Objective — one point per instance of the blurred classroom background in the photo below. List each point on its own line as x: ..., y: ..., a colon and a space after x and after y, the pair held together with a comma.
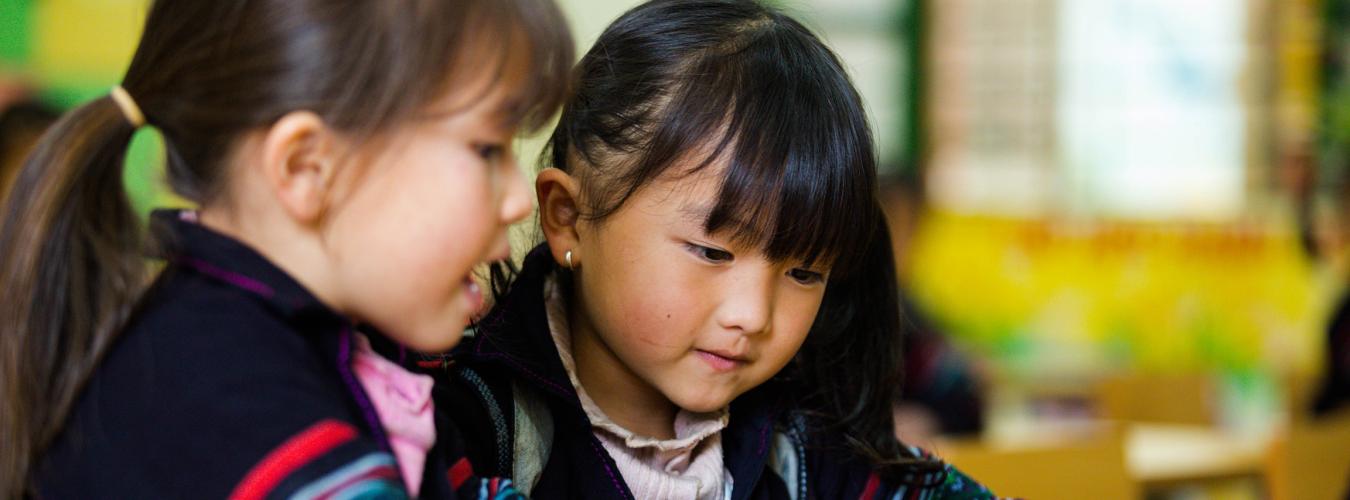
x: 1122, y: 224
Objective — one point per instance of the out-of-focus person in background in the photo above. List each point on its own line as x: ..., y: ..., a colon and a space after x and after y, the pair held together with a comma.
x: 23, y: 119
x: 1333, y: 392
x: 1322, y: 168
x: 942, y: 392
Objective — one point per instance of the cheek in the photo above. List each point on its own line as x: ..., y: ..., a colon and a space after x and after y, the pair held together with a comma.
x: 649, y: 299
x: 412, y: 228
x: 440, y: 213
x: 792, y: 324
x: 642, y: 320
x: 657, y: 320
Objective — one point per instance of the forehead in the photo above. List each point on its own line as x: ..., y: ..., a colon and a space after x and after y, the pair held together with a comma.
x: 688, y: 193
x: 684, y: 190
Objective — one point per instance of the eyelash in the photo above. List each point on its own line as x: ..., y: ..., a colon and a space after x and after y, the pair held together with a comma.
x: 806, y: 277
x: 706, y: 253
x: 491, y: 153
x: 716, y: 256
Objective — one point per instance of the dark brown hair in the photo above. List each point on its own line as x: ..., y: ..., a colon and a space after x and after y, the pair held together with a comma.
x: 205, y: 72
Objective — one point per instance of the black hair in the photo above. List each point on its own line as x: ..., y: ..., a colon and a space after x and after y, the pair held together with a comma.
x: 678, y: 82
x: 731, y: 80
x: 848, y: 373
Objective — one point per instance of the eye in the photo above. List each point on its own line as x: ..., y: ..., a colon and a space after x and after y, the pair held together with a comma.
x: 491, y: 153
x: 710, y: 254
x: 806, y: 276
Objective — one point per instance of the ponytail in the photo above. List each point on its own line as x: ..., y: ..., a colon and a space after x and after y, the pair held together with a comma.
x: 70, y: 271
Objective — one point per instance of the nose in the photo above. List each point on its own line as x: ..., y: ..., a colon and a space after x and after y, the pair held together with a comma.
x: 748, y: 299
x: 517, y: 200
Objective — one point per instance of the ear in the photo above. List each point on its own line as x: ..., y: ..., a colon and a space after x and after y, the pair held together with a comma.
x: 299, y: 156
x: 559, y: 199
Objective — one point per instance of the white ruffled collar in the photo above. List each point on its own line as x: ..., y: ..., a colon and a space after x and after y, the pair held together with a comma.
x: 690, y: 428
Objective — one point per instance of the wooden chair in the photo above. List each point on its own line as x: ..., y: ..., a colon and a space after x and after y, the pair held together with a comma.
x: 1311, y: 460
x: 1159, y: 398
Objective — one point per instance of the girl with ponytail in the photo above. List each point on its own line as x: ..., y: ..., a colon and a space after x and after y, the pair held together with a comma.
x: 351, y: 163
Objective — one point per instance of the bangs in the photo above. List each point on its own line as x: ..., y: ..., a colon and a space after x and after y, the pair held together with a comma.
x: 799, y: 175
x: 535, y: 29
x: 747, y: 89
x: 442, y: 47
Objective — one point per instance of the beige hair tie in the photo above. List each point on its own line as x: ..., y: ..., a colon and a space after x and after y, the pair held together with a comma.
x: 130, y: 110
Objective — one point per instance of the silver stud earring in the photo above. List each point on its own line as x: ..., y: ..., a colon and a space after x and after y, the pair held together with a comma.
x: 567, y: 256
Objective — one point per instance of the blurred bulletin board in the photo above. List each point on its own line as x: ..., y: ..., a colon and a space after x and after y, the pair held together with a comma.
x: 1055, y: 245
x: 73, y: 51
x: 1133, y: 109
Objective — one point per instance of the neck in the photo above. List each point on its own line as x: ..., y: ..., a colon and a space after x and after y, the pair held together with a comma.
x: 287, y: 250
x: 625, y: 398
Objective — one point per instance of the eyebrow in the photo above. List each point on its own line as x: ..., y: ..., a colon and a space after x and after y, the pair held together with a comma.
x: 509, y: 113
x: 700, y: 214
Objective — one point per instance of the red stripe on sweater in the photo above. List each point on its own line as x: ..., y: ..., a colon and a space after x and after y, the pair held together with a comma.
x: 460, y: 472
x: 297, y: 451
x: 873, y: 482
x: 383, y: 473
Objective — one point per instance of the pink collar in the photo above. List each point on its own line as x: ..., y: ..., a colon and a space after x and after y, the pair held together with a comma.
x: 403, y: 401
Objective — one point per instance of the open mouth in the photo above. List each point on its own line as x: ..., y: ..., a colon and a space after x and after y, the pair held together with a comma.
x: 473, y: 283
x: 474, y: 293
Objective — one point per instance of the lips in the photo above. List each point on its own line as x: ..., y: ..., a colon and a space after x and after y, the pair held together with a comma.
x: 502, y: 253
x: 474, y: 290
x: 728, y: 354
x: 723, y: 360
x: 500, y: 256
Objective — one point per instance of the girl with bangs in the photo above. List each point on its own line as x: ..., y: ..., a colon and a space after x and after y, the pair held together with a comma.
x: 351, y: 164
x: 714, y: 312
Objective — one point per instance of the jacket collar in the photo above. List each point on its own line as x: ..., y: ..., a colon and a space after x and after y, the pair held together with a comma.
x: 186, y: 244
x: 190, y: 247
x: 515, y: 333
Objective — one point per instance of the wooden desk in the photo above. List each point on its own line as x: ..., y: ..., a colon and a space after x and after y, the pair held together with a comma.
x: 1159, y: 455
x: 1050, y: 460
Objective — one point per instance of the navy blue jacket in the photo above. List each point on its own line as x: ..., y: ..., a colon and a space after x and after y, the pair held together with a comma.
x: 513, y: 347
x: 231, y: 380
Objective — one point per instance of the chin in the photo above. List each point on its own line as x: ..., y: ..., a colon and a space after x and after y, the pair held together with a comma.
x: 440, y: 341
x: 440, y: 345
x: 703, y: 402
